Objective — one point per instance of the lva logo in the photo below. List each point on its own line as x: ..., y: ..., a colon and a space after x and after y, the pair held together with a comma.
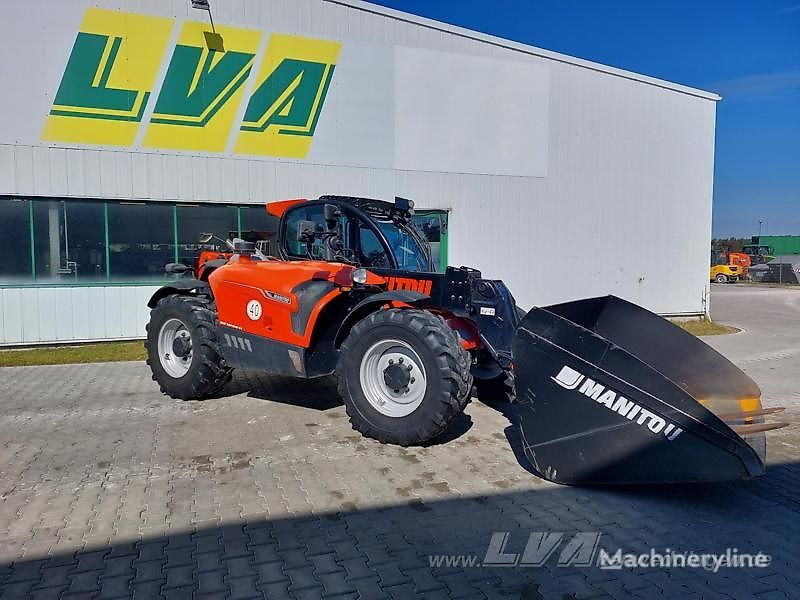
x: 116, y: 59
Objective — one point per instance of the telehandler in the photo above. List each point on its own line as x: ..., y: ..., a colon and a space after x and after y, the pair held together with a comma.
x: 607, y: 392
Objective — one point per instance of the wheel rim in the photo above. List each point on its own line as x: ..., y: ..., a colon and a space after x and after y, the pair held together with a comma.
x: 175, y: 335
x: 390, y: 400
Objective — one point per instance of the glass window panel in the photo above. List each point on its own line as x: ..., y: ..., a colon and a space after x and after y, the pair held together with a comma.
x: 195, y: 219
x: 69, y: 241
x: 431, y: 224
x: 16, y: 235
x: 260, y: 227
x: 47, y: 223
x: 293, y: 246
x: 256, y: 218
x: 140, y: 240
x: 372, y: 253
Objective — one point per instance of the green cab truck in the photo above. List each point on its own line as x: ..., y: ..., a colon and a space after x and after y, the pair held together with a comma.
x: 763, y: 248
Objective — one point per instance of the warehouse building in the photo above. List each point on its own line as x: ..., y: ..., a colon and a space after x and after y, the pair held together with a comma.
x: 128, y: 128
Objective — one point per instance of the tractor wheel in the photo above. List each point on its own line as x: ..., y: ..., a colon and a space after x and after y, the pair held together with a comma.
x: 721, y: 278
x: 182, y: 348
x: 403, y: 376
x: 496, y: 389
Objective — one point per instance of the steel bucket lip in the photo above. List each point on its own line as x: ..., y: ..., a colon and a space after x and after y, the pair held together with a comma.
x: 530, y: 455
x: 706, y: 425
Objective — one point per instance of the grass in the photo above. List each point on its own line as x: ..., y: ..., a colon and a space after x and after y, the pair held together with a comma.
x: 117, y: 351
x: 705, y: 327
x: 64, y: 355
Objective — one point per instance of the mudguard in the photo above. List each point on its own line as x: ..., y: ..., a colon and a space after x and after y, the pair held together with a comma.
x: 371, y: 304
x: 609, y: 392
x: 180, y: 286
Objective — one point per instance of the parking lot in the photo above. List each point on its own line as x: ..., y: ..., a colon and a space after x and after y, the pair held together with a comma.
x: 109, y: 488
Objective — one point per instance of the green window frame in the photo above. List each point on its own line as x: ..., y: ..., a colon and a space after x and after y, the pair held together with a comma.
x: 38, y: 280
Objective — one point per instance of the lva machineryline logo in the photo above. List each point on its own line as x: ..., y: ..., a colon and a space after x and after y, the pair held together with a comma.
x: 571, y: 379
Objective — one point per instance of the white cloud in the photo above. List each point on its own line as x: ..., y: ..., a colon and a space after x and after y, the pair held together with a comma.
x: 761, y: 84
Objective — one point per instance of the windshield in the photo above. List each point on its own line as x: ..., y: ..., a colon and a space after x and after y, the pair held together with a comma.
x: 407, y: 246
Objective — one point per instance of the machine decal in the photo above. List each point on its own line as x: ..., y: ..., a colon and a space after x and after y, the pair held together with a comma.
x: 239, y: 343
x: 110, y: 81
x: 570, y: 379
x: 108, y: 78
x: 277, y: 297
x: 254, y: 310
x: 423, y: 286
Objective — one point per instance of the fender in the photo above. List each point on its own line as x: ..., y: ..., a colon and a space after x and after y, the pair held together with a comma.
x: 210, y: 266
x: 183, y: 287
x: 373, y: 303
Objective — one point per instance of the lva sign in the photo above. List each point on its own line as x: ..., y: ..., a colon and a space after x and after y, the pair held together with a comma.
x: 106, y: 95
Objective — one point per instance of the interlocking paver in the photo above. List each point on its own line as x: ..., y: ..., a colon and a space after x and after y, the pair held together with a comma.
x: 243, y: 587
x: 53, y: 593
x: 149, y: 570
x: 134, y: 494
x: 270, y: 573
x: 209, y: 561
x: 115, y: 587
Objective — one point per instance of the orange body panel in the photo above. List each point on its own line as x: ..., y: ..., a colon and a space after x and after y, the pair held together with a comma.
x: 740, y: 259
x: 276, y: 209
x: 207, y: 255
x: 270, y: 283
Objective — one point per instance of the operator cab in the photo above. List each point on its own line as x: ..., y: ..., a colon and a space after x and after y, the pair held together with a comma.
x: 368, y: 233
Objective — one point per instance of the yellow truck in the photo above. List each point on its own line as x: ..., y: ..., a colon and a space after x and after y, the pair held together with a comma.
x: 725, y: 273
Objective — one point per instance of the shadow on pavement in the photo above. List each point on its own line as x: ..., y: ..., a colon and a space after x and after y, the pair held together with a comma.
x: 386, y: 552
x: 317, y: 394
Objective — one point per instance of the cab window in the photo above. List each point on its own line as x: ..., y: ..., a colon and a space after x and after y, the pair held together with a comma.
x: 304, y: 213
x: 371, y: 252
x: 315, y: 214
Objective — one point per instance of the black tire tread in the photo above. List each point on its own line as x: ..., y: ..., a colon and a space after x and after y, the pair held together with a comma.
x: 212, y: 373
x: 453, y: 363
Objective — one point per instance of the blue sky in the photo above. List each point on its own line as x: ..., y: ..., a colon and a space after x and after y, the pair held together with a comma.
x: 748, y: 51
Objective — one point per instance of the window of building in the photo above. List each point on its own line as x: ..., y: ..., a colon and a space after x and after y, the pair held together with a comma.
x: 256, y: 218
x: 69, y: 241
x: 141, y: 240
x: 15, y: 232
x: 257, y: 225
x: 194, y: 219
x: 85, y: 242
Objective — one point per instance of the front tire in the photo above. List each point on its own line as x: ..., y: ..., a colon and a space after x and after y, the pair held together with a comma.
x: 183, y: 350
x: 721, y: 278
x: 403, y: 376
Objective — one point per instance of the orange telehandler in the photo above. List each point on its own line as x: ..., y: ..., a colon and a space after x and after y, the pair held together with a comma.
x: 607, y: 392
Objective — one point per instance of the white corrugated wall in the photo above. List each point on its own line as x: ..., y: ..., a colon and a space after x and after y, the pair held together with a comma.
x: 625, y: 207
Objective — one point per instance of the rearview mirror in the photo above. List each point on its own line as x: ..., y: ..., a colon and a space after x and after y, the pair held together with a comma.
x: 306, y: 232
x: 205, y: 237
x: 176, y: 268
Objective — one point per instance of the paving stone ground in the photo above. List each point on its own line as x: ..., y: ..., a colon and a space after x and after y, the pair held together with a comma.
x: 109, y: 489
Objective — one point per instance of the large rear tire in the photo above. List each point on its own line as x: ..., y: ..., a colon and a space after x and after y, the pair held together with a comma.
x: 183, y: 350
x: 403, y: 376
